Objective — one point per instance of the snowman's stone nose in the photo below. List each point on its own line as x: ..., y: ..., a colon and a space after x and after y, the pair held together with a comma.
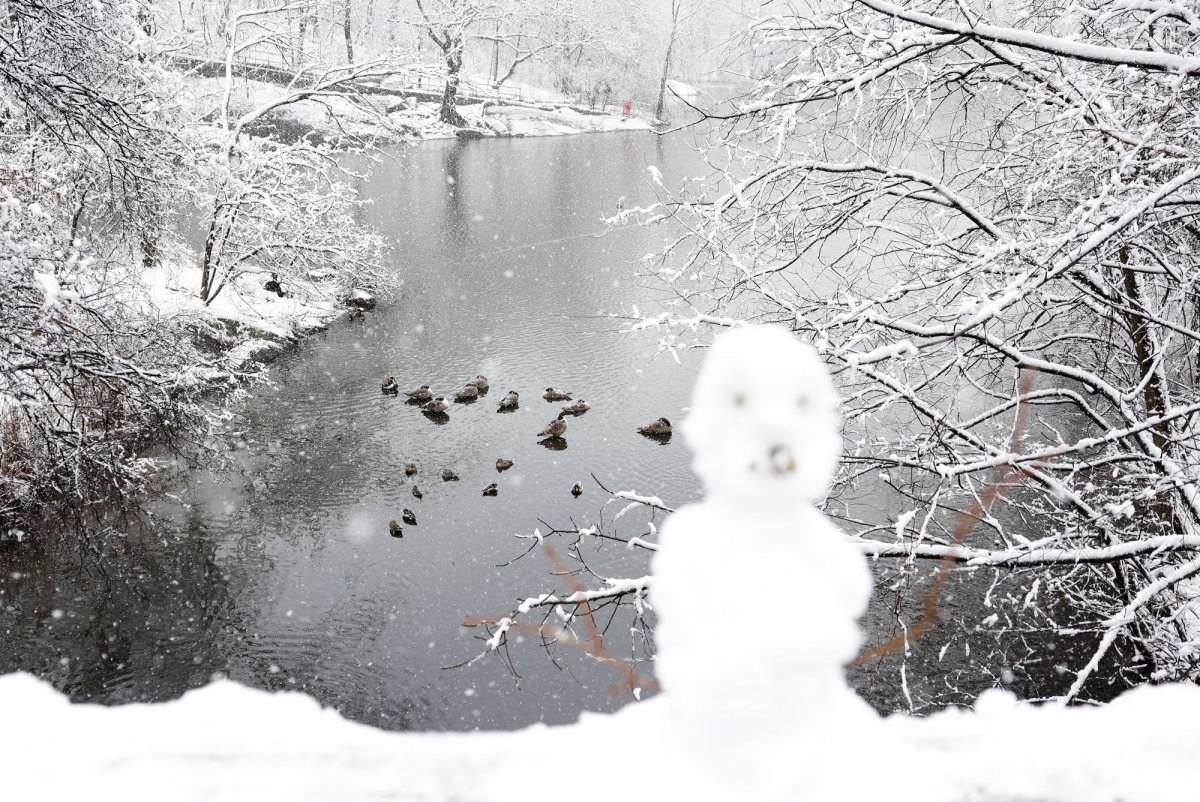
x: 781, y: 460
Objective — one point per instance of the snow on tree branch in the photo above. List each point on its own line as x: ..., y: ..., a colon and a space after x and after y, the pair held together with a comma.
x: 944, y: 201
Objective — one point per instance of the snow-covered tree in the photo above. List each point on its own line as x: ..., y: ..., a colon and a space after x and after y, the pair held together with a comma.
x: 87, y: 158
x: 512, y: 32
x: 102, y: 159
x: 278, y: 207
x: 286, y: 210
x: 985, y: 217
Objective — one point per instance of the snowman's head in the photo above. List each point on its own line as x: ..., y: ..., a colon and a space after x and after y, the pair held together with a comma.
x: 764, y: 423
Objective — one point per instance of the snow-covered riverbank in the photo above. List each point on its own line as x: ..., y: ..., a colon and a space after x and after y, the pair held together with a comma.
x: 392, y: 118
x: 257, y: 313
x: 259, y: 319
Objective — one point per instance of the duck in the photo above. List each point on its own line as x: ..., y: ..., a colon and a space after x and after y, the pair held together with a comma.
x: 503, y: 464
x: 409, y: 517
x: 554, y: 428
x: 355, y: 314
x: 422, y: 393
x: 554, y: 395
x: 509, y: 402
x: 657, y: 428
x: 577, y: 408
x: 469, y: 392
x: 491, y: 490
x: 438, y: 404
x: 577, y: 489
x: 390, y: 387
x: 481, y: 383
x: 410, y: 469
x: 394, y: 529
x: 417, y: 492
x: 449, y: 476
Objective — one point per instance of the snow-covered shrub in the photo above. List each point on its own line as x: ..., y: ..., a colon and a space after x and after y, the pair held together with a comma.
x: 285, y: 209
x: 87, y: 377
x: 100, y: 164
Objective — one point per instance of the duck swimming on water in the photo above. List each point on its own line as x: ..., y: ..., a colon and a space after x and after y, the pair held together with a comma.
x: 469, y: 392
x: 481, y: 383
x: 491, y: 490
x: 509, y: 402
x: 422, y: 393
x: 658, y: 428
x: 409, y: 517
x: 438, y: 404
x: 554, y: 395
x: 394, y: 529
x: 577, y: 408
x: 503, y: 464
x: 390, y: 387
x: 554, y: 428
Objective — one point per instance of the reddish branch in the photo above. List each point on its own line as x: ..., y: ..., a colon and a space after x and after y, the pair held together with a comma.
x: 967, y: 520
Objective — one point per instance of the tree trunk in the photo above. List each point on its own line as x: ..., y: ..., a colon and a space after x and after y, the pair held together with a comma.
x: 346, y: 31
x: 496, y: 57
x: 1143, y: 348
x: 666, y: 73
x: 301, y: 33
x: 208, y: 265
x: 223, y: 23
x: 449, y: 112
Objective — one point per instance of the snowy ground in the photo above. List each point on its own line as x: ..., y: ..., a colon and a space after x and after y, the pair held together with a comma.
x: 229, y: 742
x: 253, y: 319
x: 763, y: 715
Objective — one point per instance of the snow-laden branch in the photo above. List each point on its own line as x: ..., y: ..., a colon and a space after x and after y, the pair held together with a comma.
x: 615, y: 588
x: 1033, y: 555
x: 1128, y: 616
x: 1052, y: 45
x: 950, y: 209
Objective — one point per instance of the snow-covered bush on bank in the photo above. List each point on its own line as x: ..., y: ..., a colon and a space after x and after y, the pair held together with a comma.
x: 106, y: 342
x: 86, y: 176
x: 770, y: 719
x: 284, y: 211
x: 86, y: 376
x: 984, y: 217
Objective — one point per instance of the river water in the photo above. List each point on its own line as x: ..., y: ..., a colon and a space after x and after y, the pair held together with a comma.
x: 282, y: 574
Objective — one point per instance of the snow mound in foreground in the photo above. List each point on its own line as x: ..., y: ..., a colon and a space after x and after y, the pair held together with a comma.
x: 754, y: 706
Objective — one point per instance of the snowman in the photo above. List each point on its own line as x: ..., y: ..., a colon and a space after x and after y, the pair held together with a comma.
x: 756, y: 592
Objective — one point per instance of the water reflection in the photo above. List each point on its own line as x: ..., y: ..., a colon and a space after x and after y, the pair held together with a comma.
x: 124, y: 619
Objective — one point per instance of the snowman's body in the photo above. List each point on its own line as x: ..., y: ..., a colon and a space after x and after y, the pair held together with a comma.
x: 766, y: 600
x: 756, y: 591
